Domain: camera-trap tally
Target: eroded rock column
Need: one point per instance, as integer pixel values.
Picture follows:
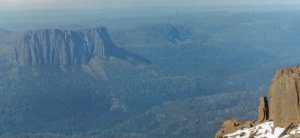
(263, 109)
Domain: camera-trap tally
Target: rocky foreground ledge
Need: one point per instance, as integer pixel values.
(280, 117)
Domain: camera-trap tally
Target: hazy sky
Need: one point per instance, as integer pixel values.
(71, 4)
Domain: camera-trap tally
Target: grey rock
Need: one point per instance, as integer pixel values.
(59, 47)
(66, 47)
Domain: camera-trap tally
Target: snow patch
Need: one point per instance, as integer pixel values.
(264, 130)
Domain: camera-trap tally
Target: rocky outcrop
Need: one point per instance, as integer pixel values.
(263, 109)
(284, 104)
(228, 126)
(65, 47)
(284, 97)
(231, 126)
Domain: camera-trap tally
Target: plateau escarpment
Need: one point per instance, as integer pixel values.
(65, 47)
(57, 47)
(283, 107)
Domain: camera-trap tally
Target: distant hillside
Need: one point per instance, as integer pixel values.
(161, 34)
(3, 33)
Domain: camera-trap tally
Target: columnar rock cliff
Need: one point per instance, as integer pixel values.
(284, 97)
(58, 47)
(283, 107)
(65, 47)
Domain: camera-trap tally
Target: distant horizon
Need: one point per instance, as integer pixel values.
(244, 7)
(11, 5)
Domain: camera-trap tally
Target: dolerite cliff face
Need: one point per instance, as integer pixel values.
(284, 97)
(65, 47)
(282, 110)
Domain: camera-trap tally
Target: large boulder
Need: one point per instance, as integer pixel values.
(228, 126)
(231, 126)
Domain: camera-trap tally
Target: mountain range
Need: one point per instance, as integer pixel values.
(177, 74)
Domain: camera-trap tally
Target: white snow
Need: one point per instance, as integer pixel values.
(265, 130)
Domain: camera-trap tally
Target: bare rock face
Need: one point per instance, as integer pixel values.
(66, 47)
(284, 97)
(263, 110)
(58, 47)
